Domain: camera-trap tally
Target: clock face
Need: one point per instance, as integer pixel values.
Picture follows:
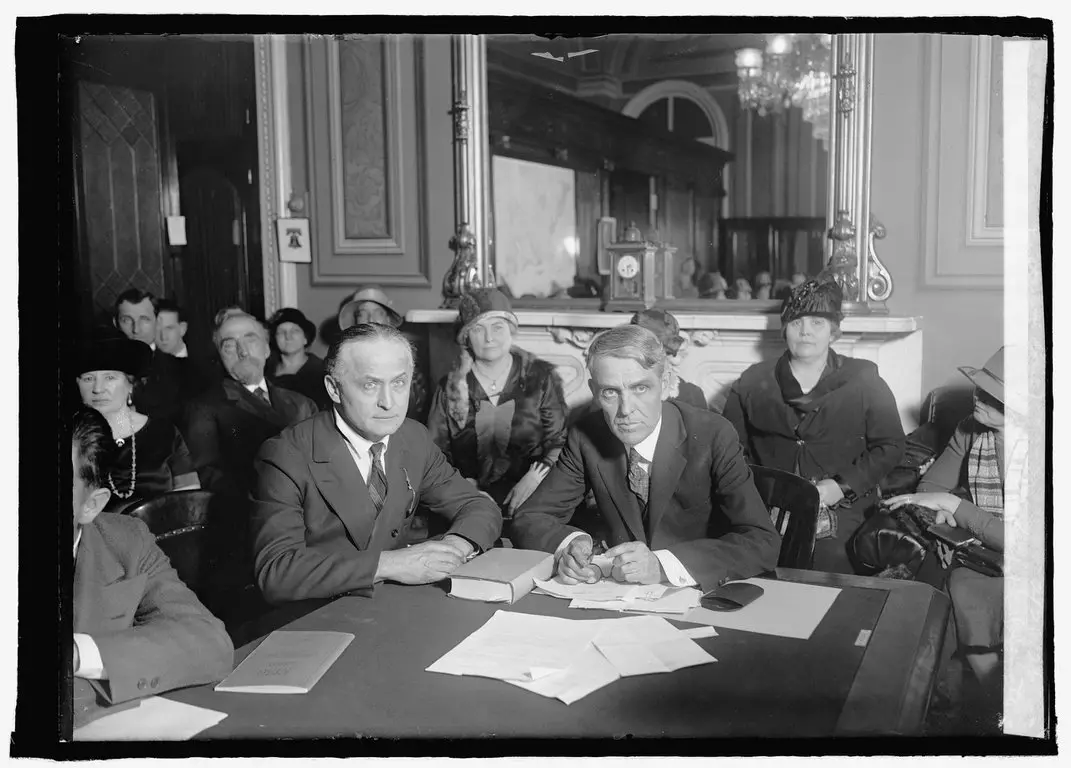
(628, 266)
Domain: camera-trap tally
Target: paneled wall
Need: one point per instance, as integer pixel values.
(921, 169)
(370, 149)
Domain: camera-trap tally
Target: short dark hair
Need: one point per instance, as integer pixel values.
(135, 296)
(363, 332)
(92, 439)
(167, 305)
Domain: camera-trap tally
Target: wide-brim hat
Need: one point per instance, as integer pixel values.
(347, 316)
(990, 377)
(297, 317)
(482, 304)
(113, 353)
(814, 298)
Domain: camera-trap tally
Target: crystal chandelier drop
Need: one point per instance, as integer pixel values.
(793, 72)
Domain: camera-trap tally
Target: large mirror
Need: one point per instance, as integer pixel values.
(745, 158)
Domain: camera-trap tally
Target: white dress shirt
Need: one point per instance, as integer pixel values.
(262, 384)
(360, 448)
(676, 573)
(90, 665)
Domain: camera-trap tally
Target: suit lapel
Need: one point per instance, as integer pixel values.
(668, 464)
(613, 468)
(249, 403)
(340, 482)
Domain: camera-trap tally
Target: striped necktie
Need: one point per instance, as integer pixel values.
(638, 478)
(262, 394)
(377, 479)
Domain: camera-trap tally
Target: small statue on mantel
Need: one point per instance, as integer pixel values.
(712, 286)
(763, 284)
(742, 289)
(686, 285)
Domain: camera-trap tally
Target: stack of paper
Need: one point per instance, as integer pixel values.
(608, 595)
(568, 659)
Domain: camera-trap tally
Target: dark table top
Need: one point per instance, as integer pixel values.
(827, 685)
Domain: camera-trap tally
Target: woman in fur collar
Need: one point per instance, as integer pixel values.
(826, 417)
(499, 415)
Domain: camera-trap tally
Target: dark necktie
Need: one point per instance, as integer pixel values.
(377, 479)
(262, 394)
(638, 479)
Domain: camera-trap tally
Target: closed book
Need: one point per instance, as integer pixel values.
(287, 661)
(502, 575)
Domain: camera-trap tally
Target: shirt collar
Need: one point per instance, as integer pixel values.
(262, 384)
(183, 352)
(360, 444)
(646, 447)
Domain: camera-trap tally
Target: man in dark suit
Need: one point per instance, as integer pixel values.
(160, 393)
(138, 630)
(227, 425)
(335, 495)
(196, 371)
(677, 501)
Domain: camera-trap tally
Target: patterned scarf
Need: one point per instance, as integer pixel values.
(983, 474)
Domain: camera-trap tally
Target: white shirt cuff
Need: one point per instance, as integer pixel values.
(676, 574)
(90, 665)
(565, 543)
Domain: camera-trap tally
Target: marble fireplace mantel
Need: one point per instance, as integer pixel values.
(718, 347)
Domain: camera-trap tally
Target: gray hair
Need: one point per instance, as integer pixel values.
(226, 314)
(363, 332)
(630, 342)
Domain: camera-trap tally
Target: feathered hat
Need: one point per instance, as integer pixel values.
(817, 298)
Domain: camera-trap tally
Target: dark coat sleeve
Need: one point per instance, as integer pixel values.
(174, 641)
(751, 545)
(286, 567)
(472, 515)
(885, 439)
(180, 461)
(734, 413)
(945, 472)
(438, 426)
(552, 415)
(542, 522)
(202, 437)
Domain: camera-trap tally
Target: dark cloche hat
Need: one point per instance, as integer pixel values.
(989, 377)
(113, 352)
(817, 298)
(480, 304)
(297, 317)
(663, 325)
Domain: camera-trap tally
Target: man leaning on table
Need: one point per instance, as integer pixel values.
(335, 494)
(674, 493)
(138, 630)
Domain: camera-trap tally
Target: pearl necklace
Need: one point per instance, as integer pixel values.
(119, 441)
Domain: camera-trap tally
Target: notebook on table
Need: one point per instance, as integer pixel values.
(501, 575)
(287, 661)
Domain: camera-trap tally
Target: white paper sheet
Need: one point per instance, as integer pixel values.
(787, 609)
(645, 645)
(519, 647)
(604, 590)
(590, 672)
(155, 719)
(698, 633)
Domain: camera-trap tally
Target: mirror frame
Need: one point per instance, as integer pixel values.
(850, 254)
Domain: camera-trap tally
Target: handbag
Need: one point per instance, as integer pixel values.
(968, 552)
(892, 539)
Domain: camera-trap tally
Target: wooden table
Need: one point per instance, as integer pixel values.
(828, 685)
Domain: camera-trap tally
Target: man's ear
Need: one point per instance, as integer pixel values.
(332, 389)
(593, 388)
(182, 328)
(93, 505)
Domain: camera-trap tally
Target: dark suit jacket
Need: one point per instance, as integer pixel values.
(315, 530)
(161, 393)
(703, 505)
(227, 426)
(152, 632)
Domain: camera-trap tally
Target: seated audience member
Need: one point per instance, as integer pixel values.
(973, 464)
(227, 424)
(371, 305)
(826, 417)
(138, 630)
(335, 495)
(292, 366)
(159, 393)
(673, 490)
(664, 325)
(499, 416)
(197, 374)
(150, 456)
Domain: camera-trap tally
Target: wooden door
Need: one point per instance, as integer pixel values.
(122, 218)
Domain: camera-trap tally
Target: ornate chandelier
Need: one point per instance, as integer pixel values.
(793, 72)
